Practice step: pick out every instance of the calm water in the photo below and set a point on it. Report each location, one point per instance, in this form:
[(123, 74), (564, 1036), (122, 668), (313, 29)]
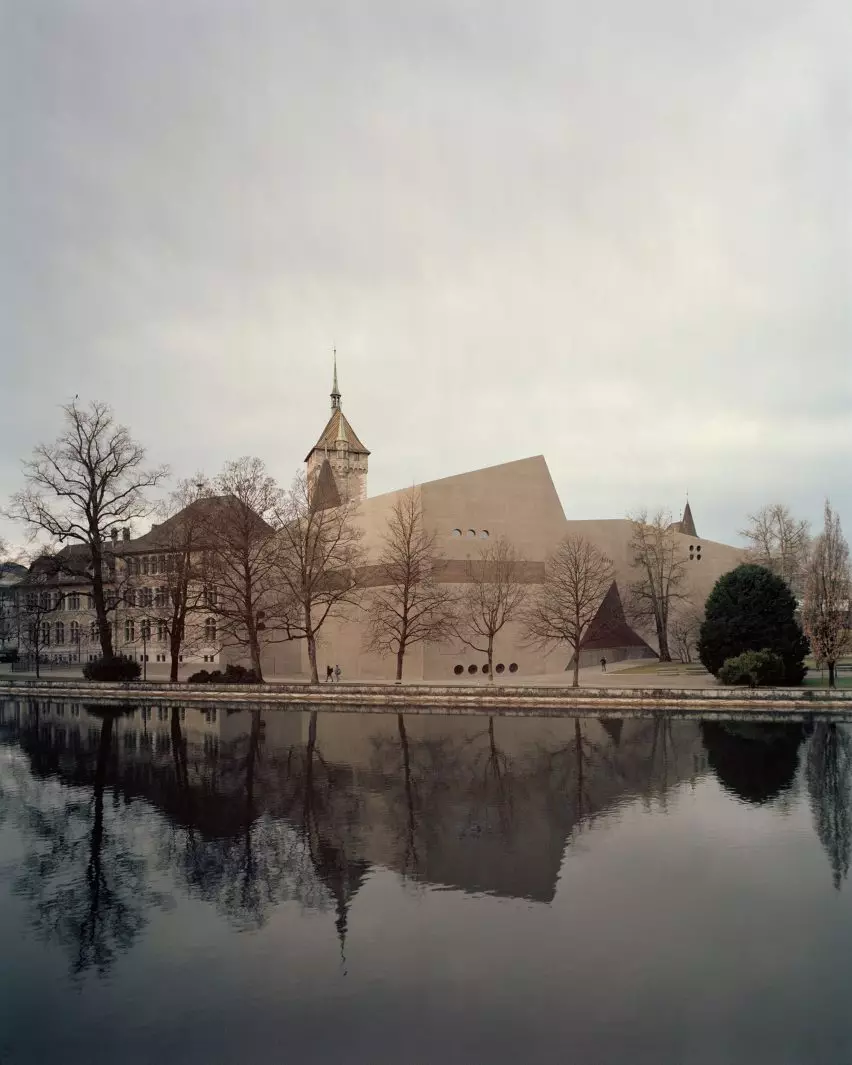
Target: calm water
[(185, 887)]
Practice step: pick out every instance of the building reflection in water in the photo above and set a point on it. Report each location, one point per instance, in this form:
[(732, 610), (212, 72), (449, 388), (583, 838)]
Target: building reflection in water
[(262, 807)]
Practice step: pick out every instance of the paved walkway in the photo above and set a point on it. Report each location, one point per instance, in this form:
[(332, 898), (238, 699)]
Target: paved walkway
[(629, 674)]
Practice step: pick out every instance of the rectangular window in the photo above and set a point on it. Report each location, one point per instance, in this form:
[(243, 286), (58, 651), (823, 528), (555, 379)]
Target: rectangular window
[(74, 601), (45, 633), (32, 599), (146, 629), (129, 631), (162, 631), (44, 601), (145, 565), (60, 632)]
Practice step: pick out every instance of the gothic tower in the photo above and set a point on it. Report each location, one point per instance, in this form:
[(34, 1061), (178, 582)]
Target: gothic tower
[(337, 463)]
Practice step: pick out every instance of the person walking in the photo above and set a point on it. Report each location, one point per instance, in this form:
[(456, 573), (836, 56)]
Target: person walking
[(337, 674), (329, 674), (603, 665)]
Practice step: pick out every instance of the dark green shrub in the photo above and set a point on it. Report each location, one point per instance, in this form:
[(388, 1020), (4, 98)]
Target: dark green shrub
[(755, 668), (750, 609), (112, 669), (10, 654), (232, 675)]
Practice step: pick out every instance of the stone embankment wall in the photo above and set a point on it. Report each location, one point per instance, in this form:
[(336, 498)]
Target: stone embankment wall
[(428, 698)]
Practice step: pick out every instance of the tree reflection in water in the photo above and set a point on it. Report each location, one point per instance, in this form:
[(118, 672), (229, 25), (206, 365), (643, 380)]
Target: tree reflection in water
[(85, 886), (829, 776), (755, 761)]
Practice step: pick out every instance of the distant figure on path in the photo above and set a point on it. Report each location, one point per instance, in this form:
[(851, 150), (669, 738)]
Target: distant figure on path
[(337, 674), (603, 665), (329, 674)]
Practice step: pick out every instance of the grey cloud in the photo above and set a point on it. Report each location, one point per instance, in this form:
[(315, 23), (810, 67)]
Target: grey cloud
[(617, 234)]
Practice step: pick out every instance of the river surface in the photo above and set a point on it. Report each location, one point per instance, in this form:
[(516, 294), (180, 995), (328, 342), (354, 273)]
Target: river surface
[(182, 885)]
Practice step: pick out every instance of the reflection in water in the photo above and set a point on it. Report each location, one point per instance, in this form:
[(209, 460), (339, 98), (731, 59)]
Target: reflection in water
[(86, 888), (756, 761), (829, 777), (256, 808)]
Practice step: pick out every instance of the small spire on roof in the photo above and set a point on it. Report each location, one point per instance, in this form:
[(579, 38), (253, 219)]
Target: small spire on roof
[(335, 391), (687, 523)]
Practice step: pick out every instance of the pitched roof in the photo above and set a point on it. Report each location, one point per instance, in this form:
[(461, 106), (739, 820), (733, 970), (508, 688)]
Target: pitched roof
[(325, 494), (332, 433), (687, 525), (206, 509), (610, 628)]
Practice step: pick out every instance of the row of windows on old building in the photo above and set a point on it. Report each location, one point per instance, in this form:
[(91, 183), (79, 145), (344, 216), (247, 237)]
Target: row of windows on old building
[(55, 633), (132, 597)]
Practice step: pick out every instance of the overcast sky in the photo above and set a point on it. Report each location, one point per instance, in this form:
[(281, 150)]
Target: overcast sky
[(615, 233)]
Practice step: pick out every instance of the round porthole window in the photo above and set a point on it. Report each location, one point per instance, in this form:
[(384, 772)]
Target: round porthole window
[(456, 532), (471, 669), (499, 667), (471, 532), (485, 668), (513, 668), (458, 669), (484, 534)]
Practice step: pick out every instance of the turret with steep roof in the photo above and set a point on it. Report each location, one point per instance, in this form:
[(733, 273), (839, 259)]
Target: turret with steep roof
[(686, 525), (338, 454)]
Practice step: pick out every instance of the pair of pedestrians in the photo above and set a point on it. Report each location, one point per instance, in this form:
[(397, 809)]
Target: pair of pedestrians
[(332, 674)]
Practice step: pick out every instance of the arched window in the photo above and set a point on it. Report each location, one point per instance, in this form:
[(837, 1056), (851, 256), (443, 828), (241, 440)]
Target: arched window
[(210, 630), (129, 631), (60, 632), (45, 633), (93, 630), (75, 632)]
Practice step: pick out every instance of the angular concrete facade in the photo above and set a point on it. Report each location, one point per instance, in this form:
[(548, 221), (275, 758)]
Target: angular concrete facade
[(517, 500)]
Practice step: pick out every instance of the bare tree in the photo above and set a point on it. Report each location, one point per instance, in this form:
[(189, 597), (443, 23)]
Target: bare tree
[(827, 590), (779, 542), (660, 569), (183, 593), (319, 564), (407, 605), (241, 554), (576, 579), (492, 595), (85, 486), (684, 630)]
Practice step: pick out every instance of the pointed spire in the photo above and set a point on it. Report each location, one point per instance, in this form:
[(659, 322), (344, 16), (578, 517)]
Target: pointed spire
[(335, 391), (687, 524)]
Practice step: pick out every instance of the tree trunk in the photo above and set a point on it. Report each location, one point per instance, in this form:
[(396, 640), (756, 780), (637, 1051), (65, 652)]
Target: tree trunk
[(832, 666), (174, 648), (663, 640), (104, 628), (400, 655), (254, 652), (575, 683), (312, 657), (490, 659)]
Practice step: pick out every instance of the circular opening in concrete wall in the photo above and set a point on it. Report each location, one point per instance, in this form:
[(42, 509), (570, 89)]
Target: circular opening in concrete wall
[(471, 669), (471, 532), (513, 668), (485, 534), (485, 668), (458, 669), (499, 667), (456, 532)]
